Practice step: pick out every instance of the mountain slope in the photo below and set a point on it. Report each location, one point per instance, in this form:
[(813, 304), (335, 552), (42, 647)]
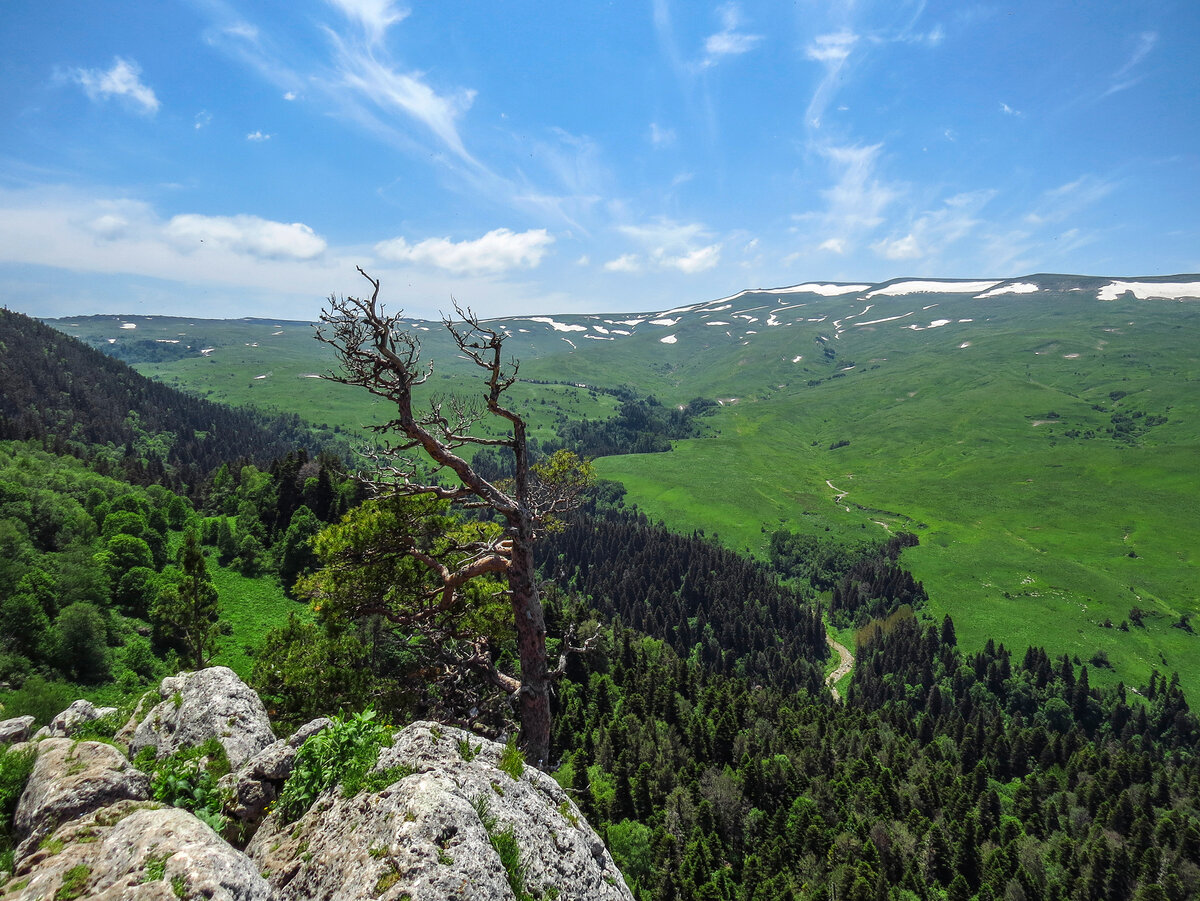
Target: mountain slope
[(1040, 434), (52, 385)]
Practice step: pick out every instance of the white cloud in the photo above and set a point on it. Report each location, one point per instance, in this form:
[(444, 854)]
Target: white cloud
[(289, 95), (833, 245), (246, 234), (832, 51), (626, 262), (857, 199), (258, 136), (407, 92), (498, 251), (1009, 111), (729, 41), (831, 48), (905, 248), (1121, 78), (660, 136), (686, 247), (375, 16), (699, 260), (202, 120), (122, 80), (933, 231), (243, 30)]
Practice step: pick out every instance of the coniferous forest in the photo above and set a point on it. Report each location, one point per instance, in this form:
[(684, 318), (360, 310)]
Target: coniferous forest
[(696, 734)]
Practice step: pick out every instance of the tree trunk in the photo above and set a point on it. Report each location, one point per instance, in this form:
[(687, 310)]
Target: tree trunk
[(531, 646)]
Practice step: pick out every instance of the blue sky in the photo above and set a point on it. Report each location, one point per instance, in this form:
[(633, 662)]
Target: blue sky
[(224, 158)]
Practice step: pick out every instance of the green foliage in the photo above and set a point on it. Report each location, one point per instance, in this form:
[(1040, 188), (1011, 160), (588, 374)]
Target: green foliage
[(504, 843), (304, 670), (186, 611), (512, 761), (39, 698), (15, 767), (189, 779), (80, 643), (74, 883), (344, 753)]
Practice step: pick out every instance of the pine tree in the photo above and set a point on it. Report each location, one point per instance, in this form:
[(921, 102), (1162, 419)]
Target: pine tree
[(185, 613)]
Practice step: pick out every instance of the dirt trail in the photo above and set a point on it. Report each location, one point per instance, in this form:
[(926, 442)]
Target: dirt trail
[(843, 667)]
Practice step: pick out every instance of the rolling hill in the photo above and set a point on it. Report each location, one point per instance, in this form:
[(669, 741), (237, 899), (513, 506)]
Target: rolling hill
[(1040, 434)]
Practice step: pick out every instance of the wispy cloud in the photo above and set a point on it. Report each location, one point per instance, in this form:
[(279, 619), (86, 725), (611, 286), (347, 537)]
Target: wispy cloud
[(375, 16), (661, 136), (831, 48), (856, 201), (203, 119), (1070, 199), (685, 247), (1124, 77), (831, 51), (122, 80), (730, 40), (626, 262), (1009, 111), (389, 90), (932, 232), (257, 137), (500, 250)]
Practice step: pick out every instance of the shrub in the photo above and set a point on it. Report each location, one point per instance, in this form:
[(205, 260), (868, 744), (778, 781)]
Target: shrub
[(15, 767), (345, 753)]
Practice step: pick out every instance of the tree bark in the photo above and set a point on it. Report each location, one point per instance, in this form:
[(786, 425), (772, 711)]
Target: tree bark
[(530, 622)]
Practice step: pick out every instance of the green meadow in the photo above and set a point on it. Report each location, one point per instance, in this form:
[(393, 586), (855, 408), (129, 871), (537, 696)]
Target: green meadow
[(1044, 448)]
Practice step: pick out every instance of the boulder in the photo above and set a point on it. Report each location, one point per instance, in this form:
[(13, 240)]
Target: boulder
[(69, 780), (68, 722), (137, 852), (433, 832), (209, 703), (255, 786), (17, 729)]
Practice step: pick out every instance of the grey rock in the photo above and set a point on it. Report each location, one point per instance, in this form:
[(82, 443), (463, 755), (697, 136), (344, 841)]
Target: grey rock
[(68, 722), (209, 703), (424, 837), (16, 729), (255, 786), (140, 852), (125, 734), (69, 780)]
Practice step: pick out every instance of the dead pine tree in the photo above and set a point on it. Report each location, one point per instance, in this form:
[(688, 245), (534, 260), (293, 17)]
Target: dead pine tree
[(377, 354)]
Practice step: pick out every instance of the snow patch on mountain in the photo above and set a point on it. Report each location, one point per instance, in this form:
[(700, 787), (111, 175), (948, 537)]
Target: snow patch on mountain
[(1150, 290), (930, 287)]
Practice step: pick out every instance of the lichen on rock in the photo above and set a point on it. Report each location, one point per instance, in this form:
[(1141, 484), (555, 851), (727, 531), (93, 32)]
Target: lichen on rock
[(431, 834), (209, 703)]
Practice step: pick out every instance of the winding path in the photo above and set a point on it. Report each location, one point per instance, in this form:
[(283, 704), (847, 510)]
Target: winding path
[(845, 663)]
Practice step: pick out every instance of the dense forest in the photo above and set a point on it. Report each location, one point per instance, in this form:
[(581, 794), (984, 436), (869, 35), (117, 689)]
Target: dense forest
[(696, 735), (82, 401)]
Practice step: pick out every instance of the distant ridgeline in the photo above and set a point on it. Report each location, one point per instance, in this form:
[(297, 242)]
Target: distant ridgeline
[(56, 389)]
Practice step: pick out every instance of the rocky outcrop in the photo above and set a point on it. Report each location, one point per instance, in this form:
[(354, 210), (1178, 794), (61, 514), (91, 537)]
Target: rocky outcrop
[(68, 722), (19, 728), (209, 703), (137, 852), (255, 786), (449, 815), (437, 832), (71, 779)]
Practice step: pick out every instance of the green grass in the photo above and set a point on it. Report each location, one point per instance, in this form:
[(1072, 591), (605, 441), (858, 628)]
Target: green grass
[(252, 607), (1027, 527)]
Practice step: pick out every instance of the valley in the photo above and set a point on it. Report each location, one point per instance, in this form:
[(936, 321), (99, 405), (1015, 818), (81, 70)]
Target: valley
[(1038, 434)]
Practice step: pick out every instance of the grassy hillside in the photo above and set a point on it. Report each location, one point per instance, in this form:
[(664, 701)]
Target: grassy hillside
[(1041, 442)]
